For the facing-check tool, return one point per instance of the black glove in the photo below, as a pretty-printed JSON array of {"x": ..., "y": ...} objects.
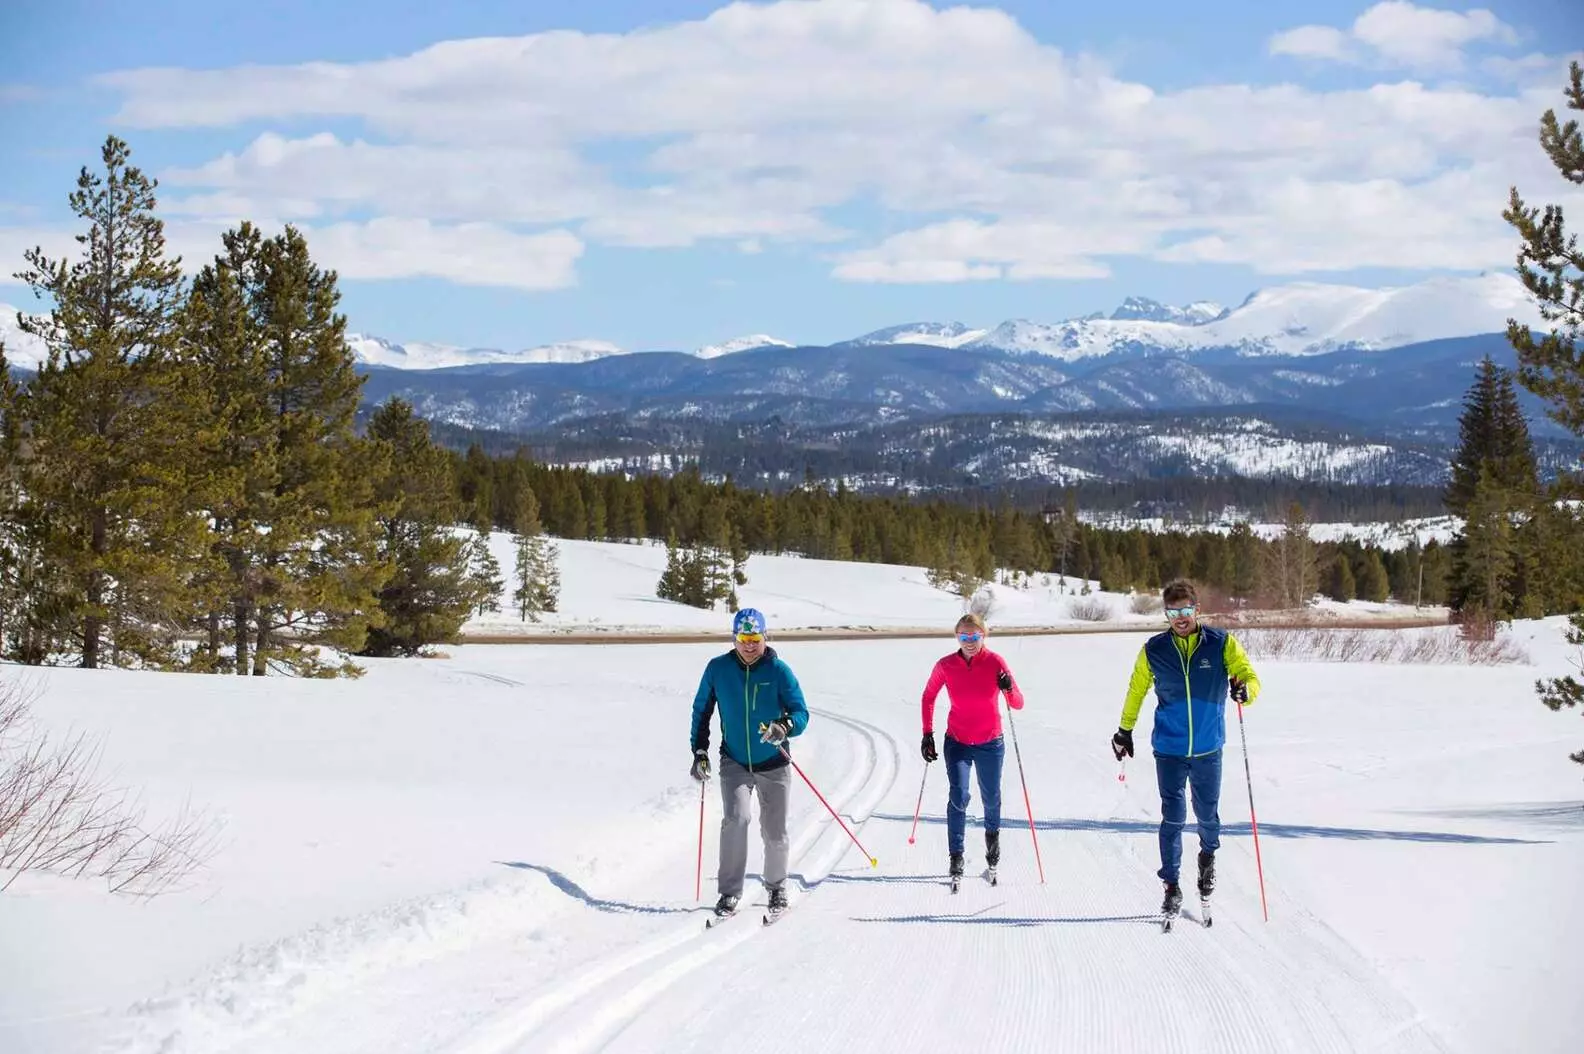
[
  {"x": 1122, "y": 743},
  {"x": 927, "y": 748},
  {"x": 1004, "y": 681},
  {"x": 700, "y": 770},
  {"x": 1239, "y": 692}
]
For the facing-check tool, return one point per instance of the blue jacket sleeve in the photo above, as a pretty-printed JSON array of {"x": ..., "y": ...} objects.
[
  {"x": 792, "y": 700},
  {"x": 703, "y": 709}
]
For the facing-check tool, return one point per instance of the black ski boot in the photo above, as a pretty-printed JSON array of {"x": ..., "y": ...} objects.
[
  {"x": 956, "y": 871},
  {"x": 993, "y": 848},
  {"x": 726, "y": 906},
  {"x": 1171, "y": 906},
  {"x": 1206, "y": 874},
  {"x": 778, "y": 904}
]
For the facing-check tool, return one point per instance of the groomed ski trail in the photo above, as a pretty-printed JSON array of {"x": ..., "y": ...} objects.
[
  {"x": 526, "y": 962},
  {"x": 588, "y": 1010}
]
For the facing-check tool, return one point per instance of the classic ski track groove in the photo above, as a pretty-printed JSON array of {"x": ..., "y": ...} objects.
[{"x": 603, "y": 999}]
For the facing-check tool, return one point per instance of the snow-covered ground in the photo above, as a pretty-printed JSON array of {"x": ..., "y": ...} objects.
[
  {"x": 609, "y": 587},
  {"x": 495, "y": 851}
]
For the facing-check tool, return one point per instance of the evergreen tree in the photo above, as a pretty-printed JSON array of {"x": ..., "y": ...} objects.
[
  {"x": 1551, "y": 267},
  {"x": 430, "y": 592},
  {"x": 297, "y": 527},
  {"x": 538, "y": 574},
  {"x": 105, "y": 474},
  {"x": 485, "y": 571},
  {"x": 1492, "y": 431},
  {"x": 1483, "y": 567},
  {"x": 1373, "y": 583},
  {"x": 1340, "y": 584}
]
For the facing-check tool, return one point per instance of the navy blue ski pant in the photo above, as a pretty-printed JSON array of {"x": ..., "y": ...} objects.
[
  {"x": 986, "y": 759},
  {"x": 1201, "y": 776}
]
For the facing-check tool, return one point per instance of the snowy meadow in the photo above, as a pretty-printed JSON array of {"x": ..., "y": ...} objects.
[{"x": 496, "y": 850}]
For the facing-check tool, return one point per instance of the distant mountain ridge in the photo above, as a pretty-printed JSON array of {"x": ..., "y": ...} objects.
[{"x": 1297, "y": 319}]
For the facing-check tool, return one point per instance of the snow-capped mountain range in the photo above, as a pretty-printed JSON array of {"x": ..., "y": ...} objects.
[{"x": 1298, "y": 319}]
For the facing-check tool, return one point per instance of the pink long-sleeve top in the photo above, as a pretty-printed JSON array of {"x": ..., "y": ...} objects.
[{"x": 971, "y": 687}]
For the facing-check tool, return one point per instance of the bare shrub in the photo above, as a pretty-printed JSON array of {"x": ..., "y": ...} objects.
[
  {"x": 1145, "y": 604},
  {"x": 1475, "y": 625},
  {"x": 1090, "y": 609},
  {"x": 58, "y": 816},
  {"x": 1319, "y": 644}
]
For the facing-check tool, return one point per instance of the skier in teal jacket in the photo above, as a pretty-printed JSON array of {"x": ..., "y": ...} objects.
[{"x": 761, "y": 709}]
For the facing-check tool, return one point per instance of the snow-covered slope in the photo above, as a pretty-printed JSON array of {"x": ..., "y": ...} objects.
[
  {"x": 1302, "y": 318},
  {"x": 21, "y": 349},
  {"x": 736, "y": 344},
  {"x": 940, "y": 334},
  {"x": 376, "y": 351}
]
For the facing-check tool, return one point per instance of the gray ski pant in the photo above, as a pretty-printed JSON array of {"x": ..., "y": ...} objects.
[{"x": 737, "y": 787}]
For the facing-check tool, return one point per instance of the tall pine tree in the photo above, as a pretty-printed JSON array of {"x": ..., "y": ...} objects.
[
  {"x": 300, "y": 536},
  {"x": 106, "y": 473},
  {"x": 430, "y": 592},
  {"x": 1491, "y": 431},
  {"x": 1551, "y": 267}
]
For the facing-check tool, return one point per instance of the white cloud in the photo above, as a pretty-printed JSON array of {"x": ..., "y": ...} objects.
[
  {"x": 1397, "y": 33},
  {"x": 1423, "y": 36},
  {"x": 988, "y": 153},
  {"x": 1313, "y": 42},
  {"x": 468, "y": 253}
]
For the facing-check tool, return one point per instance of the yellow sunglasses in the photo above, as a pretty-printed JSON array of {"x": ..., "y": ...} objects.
[{"x": 750, "y": 638}]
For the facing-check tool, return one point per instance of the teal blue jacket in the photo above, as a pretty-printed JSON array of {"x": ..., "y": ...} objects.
[{"x": 748, "y": 696}]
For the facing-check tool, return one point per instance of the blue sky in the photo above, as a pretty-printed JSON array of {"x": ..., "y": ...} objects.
[{"x": 665, "y": 174}]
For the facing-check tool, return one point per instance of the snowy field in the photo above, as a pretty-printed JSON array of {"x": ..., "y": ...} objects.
[
  {"x": 495, "y": 852},
  {"x": 609, "y": 587}
]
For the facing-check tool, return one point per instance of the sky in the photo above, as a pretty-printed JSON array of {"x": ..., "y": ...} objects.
[{"x": 665, "y": 174}]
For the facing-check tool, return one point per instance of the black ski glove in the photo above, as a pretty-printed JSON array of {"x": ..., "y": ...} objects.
[
  {"x": 1122, "y": 743},
  {"x": 1238, "y": 692},
  {"x": 1004, "y": 681},
  {"x": 927, "y": 748},
  {"x": 701, "y": 767}
]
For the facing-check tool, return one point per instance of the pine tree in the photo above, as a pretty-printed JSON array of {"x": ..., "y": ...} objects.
[
  {"x": 303, "y": 560},
  {"x": 1484, "y": 566},
  {"x": 430, "y": 592},
  {"x": 1492, "y": 431},
  {"x": 106, "y": 476},
  {"x": 538, "y": 575},
  {"x": 1551, "y": 267},
  {"x": 1373, "y": 583},
  {"x": 1340, "y": 584},
  {"x": 485, "y": 570}
]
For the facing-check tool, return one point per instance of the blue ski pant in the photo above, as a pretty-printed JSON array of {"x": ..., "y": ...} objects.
[
  {"x": 985, "y": 759},
  {"x": 1201, "y": 776}
]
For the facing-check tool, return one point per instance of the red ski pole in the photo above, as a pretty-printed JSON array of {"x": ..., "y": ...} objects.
[
  {"x": 872, "y": 861},
  {"x": 1254, "y": 821},
  {"x": 920, "y": 804},
  {"x": 1019, "y": 755},
  {"x": 698, "y": 879}
]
